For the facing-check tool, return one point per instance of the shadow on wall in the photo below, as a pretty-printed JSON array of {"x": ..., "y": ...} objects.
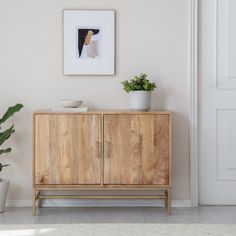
[
  {"x": 159, "y": 99},
  {"x": 180, "y": 150}
]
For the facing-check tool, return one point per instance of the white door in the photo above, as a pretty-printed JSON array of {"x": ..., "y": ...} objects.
[{"x": 217, "y": 102}]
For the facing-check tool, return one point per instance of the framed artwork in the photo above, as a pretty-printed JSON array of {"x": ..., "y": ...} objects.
[{"x": 89, "y": 42}]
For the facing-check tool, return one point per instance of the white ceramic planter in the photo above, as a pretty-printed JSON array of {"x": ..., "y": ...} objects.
[
  {"x": 140, "y": 100},
  {"x": 4, "y": 186}
]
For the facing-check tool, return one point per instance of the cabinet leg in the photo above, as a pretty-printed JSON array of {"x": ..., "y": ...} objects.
[
  {"x": 34, "y": 202},
  {"x": 166, "y": 199},
  {"x": 38, "y": 199},
  {"x": 169, "y": 201}
]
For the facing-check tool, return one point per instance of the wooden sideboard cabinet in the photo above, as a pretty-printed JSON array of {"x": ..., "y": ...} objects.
[{"x": 102, "y": 150}]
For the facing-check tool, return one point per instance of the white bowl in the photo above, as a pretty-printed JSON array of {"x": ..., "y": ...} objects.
[{"x": 70, "y": 103}]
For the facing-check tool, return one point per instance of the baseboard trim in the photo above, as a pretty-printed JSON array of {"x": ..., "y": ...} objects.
[{"x": 98, "y": 203}]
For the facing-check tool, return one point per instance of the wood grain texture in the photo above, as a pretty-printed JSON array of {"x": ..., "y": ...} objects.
[
  {"x": 67, "y": 149},
  {"x": 101, "y": 150},
  {"x": 137, "y": 149},
  {"x": 103, "y": 112}
]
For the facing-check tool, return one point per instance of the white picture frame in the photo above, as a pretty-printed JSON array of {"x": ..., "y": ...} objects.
[{"x": 89, "y": 42}]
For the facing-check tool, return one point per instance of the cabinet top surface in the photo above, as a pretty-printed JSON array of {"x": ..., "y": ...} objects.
[{"x": 100, "y": 112}]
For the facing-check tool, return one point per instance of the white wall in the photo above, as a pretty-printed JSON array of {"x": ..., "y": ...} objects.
[{"x": 152, "y": 36}]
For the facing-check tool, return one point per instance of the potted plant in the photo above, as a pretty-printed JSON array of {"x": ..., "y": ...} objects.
[
  {"x": 5, "y": 135},
  {"x": 139, "y": 89}
]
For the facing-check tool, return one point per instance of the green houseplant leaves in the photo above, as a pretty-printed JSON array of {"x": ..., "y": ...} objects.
[
  {"x": 5, "y": 135},
  {"x": 138, "y": 83}
]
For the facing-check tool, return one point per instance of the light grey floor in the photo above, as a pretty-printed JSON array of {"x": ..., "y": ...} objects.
[{"x": 202, "y": 214}]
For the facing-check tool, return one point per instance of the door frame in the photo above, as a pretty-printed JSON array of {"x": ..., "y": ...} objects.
[{"x": 194, "y": 143}]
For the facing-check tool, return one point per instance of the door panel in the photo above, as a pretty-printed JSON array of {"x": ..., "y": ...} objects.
[
  {"x": 217, "y": 102},
  {"x": 67, "y": 149},
  {"x": 136, "y": 149}
]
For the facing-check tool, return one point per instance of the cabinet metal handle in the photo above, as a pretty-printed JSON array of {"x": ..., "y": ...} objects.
[
  {"x": 98, "y": 149},
  {"x": 108, "y": 149},
  {"x": 141, "y": 139}
]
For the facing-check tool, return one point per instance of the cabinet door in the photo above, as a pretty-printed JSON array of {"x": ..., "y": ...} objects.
[
  {"x": 67, "y": 149},
  {"x": 137, "y": 149}
]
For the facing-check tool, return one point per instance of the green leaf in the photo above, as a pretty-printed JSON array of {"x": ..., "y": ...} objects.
[
  {"x": 138, "y": 83},
  {"x": 7, "y": 150},
  {"x": 10, "y": 112},
  {"x": 6, "y": 134}
]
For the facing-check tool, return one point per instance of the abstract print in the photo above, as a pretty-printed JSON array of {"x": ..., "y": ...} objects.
[{"x": 88, "y": 42}]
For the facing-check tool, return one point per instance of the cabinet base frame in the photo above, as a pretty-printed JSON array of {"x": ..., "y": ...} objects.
[{"x": 38, "y": 195}]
